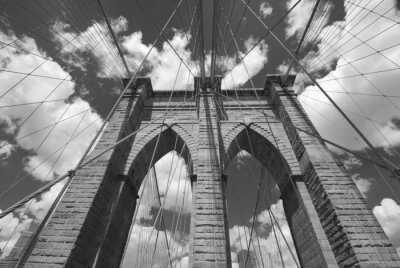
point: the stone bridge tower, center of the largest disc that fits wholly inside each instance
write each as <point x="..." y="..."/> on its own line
<point x="329" y="220"/>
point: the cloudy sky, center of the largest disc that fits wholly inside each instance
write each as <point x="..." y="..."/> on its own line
<point x="60" y="74"/>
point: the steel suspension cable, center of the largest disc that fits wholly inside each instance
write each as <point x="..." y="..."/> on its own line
<point x="34" y="110"/>
<point x="322" y="90"/>
<point x="381" y="165"/>
<point x="261" y="39"/>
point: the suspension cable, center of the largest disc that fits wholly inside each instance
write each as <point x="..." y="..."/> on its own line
<point x="322" y="90"/>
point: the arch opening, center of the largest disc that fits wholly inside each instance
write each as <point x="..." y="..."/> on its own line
<point x="265" y="152"/>
<point x="254" y="196"/>
<point x="160" y="227"/>
<point x="156" y="146"/>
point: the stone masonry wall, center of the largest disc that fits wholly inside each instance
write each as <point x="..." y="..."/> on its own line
<point x="355" y="235"/>
<point x="210" y="246"/>
<point x="249" y="130"/>
<point x="329" y="220"/>
<point x="74" y="233"/>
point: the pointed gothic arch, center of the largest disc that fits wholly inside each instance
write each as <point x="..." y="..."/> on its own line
<point x="149" y="147"/>
<point x="298" y="209"/>
<point x="263" y="149"/>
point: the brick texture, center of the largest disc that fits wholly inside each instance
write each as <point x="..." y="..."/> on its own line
<point x="329" y="220"/>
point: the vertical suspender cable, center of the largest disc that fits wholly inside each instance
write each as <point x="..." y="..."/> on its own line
<point x="71" y="173"/>
<point x="213" y="42"/>
<point x="202" y="61"/>
<point x="302" y="37"/>
<point x="114" y="38"/>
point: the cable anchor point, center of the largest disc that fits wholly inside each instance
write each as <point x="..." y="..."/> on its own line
<point x="71" y="173"/>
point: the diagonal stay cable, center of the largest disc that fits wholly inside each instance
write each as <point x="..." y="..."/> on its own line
<point x="34" y="110"/>
<point x="363" y="74"/>
<point x="67" y="143"/>
<point x="262" y="38"/>
<point x="239" y="23"/>
<point x="48" y="41"/>
<point x="46" y="59"/>
<point x="46" y="127"/>
<point x="253" y="176"/>
<point x="16" y="182"/>
<point x="297" y="50"/>
<point x="353" y="93"/>
<point x="30" y="103"/>
<point x="320" y="87"/>
<point x="70" y="174"/>
<point x="127" y="86"/>
<point x="163" y="35"/>
<point x="114" y="38"/>
<point x="35" y="75"/>
<point x="88" y="161"/>
<point x="16" y="178"/>
<point x="379" y="164"/>
<point x="151" y="166"/>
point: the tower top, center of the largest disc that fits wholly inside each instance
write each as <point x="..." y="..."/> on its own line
<point x="207" y="83"/>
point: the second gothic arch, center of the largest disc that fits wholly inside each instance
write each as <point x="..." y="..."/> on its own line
<point x="282" y="165"/>
<point x="151" y="146"/>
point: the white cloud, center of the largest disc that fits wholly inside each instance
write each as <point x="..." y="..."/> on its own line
<point x="26" y="218"/>
<point x="254" y="61"/>
<point x="141" y="246"/>
<point x="174" y="188"/>
<point x="298" y="18"/>
<point x="176" y="198"/>
<point x="34" y="89"/>
<point x="161" y="60"/>
<point x="5" y="151"/>
<point x="350" y="162"/>
<point x="265" y="237"/>
<point x="39" y="207"/>
<point x="388" y="215"/>
<point x="363" y="184"/>
<point x="172" y="168"/>
<point x="94" y="42"/>
<point x="119" y="25"/>
<point x="265" y="10"/>
<point x="11" y="227"/>
<point x="330" y="61"/>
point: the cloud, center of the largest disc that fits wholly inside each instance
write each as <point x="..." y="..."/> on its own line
<point x="11" y="227"/>
<point x="159" y="62"/>
<point x="265" y="10"/>
<point x="162" y="61"/>
<point x="363" y="184"/>
<point x="297" y="18"/>
<point x="34" y="89"/>
<point x="265" y="238"/>
<point x="119" y="25"/>
<point x="172" y="170"/>
<point x="176" y="198"/>
<point x="94" y="43"/>
<point x="350" y="162"/>
<point x="39" y="207"/>
<point x="329" y="60"/>
<point x="5" y="151"/>
<point x="388" y="215"/>
<point x="174" y="189"/>
<point x="25" y="219"/>
<point x="254" y="62"/>
<point x="141" y="245"/>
